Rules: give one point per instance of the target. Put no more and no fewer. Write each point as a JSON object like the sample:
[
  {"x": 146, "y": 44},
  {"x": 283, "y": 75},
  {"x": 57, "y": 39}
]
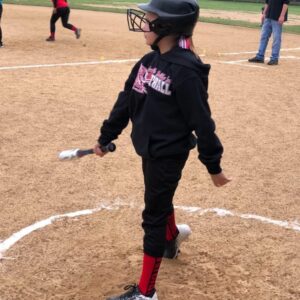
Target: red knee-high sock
[
  {"x": 172, "y": 230},
  {"x": 149, "y": 274},
  {"x": 73, "y": 28},
  {"x": 52, "y": 34}
]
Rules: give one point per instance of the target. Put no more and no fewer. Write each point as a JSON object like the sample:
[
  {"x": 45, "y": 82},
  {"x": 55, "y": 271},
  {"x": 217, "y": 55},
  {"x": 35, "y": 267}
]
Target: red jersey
[{"x": 60, "y": 3}]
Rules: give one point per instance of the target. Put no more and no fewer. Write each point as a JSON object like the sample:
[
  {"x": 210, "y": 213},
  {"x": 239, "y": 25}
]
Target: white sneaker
[{"x": 172, "y": 247}]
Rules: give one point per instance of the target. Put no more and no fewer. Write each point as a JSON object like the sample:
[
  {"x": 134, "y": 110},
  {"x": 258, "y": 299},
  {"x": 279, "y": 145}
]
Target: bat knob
[{"x": 111, "y": 147}]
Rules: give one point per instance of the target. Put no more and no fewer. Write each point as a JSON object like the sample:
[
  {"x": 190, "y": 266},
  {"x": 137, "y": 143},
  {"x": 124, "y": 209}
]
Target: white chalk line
[
  {"x": 120, "y": 61},
  {"x": 246, "y": 60},
  {"x": 254, "y": 52},
  {"x": 241, "y": 62},
  {"x": 14, "y": 238},
  {"x": 295, "y": 225},
  {"x": 71, "y": 64}
]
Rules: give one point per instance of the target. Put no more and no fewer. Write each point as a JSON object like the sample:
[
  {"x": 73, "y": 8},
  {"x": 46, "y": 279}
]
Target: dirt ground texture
[{"x": 49, "y": 109}]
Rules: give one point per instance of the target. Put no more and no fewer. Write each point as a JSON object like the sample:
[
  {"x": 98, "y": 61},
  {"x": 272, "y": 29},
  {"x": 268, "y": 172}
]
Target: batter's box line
[
  {"x": 254, "y": 52},
  {"x": 241, "y": 62},
  {"x": 15, "y": 237},
  {"x": 70, "y": 64}
]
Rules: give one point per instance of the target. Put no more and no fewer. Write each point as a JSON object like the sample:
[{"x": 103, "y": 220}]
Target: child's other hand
[
  {"x": 98, "y": 151},
  {"x": 219, "y": 179}
]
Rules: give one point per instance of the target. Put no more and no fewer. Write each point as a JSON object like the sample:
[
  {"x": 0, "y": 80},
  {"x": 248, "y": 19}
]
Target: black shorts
[{"x": 1, "y": 10}]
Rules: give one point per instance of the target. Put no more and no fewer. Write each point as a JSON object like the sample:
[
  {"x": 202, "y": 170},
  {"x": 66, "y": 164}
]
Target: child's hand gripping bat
[{"x": 78, "y": 153}]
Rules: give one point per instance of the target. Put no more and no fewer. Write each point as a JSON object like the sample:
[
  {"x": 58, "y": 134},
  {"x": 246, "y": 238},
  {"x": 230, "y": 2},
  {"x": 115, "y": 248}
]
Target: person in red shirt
[{"x": 61, "y": 10}]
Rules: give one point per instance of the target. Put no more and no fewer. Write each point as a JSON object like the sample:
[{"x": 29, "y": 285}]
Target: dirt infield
[{"x": 248, "y": 254}]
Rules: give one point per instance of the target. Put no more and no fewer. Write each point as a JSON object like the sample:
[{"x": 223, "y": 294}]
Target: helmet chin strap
[{"x": 154, "y": 46}]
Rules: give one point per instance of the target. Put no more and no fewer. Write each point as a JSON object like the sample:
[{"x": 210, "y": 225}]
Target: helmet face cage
[
  {"x": 163, "y": 25},
  {"x": 136, "y": 20}
]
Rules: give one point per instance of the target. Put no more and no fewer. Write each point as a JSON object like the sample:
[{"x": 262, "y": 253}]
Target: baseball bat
[{"x": 78, "y": 153}]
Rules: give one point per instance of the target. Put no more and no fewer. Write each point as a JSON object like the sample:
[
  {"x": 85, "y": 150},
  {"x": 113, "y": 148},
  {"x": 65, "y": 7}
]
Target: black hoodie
[{"x": 165, "y": 97}]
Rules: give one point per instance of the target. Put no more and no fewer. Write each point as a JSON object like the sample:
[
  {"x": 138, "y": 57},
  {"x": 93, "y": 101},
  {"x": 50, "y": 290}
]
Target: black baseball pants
[
  {"x": 1, "y": 10},
  {"x": 62, "y": 13},
  {"x": 161, "y": 177}
]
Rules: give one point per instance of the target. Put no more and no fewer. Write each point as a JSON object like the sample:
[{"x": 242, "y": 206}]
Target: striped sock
[
  {"x": 172, "y": 231},
  {"x": 149, "y": 274}
]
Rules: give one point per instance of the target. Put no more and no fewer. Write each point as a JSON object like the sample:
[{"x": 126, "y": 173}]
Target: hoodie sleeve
[
  {"x": 192, "y": 98},
  {"x": 119, "y": 116}
]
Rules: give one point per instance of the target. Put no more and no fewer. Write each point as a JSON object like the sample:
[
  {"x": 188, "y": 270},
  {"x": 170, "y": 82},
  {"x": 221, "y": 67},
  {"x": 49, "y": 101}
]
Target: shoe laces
[
  {"x": 130, "y": 286},
  {"x": 132, "y": 289}
]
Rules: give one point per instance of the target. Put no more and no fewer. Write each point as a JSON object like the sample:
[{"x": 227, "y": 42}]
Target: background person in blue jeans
[{"x": 273, "y": 17}]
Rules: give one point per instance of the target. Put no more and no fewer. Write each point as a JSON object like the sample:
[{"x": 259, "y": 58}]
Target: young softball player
[
  {"x": 166, "y": 99},
  {"x": 61, "y": 10},
  {"x": 1, "y": 10}
]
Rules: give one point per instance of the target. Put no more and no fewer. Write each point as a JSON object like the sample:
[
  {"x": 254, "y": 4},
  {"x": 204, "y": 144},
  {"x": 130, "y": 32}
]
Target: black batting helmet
[{"x": 177, "y": 17}]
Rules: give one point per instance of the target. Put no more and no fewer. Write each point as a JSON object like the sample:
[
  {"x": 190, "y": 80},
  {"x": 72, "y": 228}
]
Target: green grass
[
  {"x": 240, "y": 6},
  {"x": 292, "y": 29},
  {"x": 229, "y": 22},
  {"x": 205, "y": 4}
]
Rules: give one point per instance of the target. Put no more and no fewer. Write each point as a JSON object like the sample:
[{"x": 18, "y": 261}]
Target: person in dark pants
[
  {"x": 61, "y": 10},
  {"x": 273, "y": 16},
  {"x": 1, "y": 10},
  {"x": 166, "y": 99}
]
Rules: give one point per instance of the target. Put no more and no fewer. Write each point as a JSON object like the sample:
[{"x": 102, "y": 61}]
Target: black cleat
[
  {"x": 50, "y": 39},
  {"x": 134, "y": 294},
  {"x": 256, "y": 60},
  {"x": 172, "y": 247},
  {"x": 273, "y": 62},
  {"x": 78, "y": 33}
]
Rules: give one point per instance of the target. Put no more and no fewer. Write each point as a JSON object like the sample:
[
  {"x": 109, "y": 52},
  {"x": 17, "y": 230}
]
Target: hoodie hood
[{"x": 186, "y": 58}]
